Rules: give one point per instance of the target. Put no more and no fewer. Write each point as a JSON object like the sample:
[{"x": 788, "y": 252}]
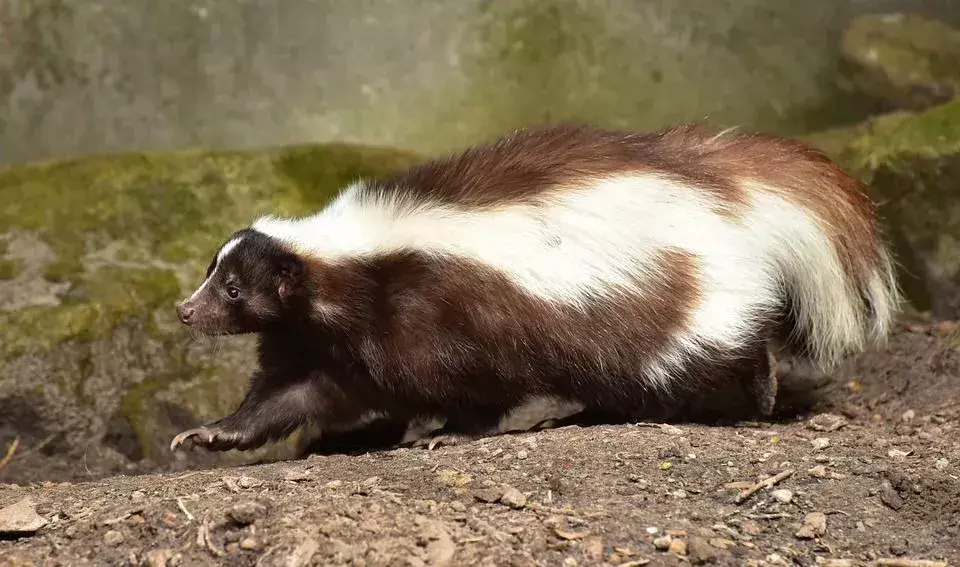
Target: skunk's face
[{"x": 250, "y": 285}]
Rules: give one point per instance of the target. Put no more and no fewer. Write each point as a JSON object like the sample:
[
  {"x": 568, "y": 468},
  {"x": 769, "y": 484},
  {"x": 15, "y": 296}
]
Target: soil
[{"x": 866, "y": 465}]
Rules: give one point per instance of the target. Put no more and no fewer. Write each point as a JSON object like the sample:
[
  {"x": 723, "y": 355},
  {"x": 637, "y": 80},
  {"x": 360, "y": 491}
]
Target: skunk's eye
[{"x": 233, "y": 292}]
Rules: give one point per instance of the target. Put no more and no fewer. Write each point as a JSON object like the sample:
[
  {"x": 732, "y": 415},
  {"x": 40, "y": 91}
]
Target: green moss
[
  {"x": 168, "y": 207},
  {"x": 895, "y": 139}
]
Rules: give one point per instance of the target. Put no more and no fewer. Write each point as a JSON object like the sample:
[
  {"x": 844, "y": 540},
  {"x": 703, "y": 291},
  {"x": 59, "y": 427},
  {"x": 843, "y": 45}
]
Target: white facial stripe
[{"x": 224, "y": 251}]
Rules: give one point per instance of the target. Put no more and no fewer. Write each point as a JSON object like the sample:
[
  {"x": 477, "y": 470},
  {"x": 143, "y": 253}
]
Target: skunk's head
[{"x": 253, "y": 283}]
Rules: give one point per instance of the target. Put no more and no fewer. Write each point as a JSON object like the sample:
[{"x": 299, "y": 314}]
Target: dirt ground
[{"x": 866, "y": 466}]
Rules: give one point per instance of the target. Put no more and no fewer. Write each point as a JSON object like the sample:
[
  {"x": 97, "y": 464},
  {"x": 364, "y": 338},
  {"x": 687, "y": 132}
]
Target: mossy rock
[
  {"x": 912, "y": 164},
  {"x": 94, "y": 253},
  {"x": 904, "y": 59}
]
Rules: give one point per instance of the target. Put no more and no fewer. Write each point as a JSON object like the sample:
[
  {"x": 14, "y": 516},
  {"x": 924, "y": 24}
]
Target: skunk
[{"x": 613, "y": 270}]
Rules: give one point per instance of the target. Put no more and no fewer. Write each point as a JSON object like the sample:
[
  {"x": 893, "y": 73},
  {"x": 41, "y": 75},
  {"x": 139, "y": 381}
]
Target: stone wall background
[{"x": 93, "y": 76}]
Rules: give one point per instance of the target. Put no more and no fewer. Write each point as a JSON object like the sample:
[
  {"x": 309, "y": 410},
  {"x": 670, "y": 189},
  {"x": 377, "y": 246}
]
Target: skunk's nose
[{"x": 185, "y": 312}]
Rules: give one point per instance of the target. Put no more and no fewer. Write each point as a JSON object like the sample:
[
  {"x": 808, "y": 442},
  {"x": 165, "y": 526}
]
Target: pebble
[
  {"x": 941, "y": 464},
  {"x": 820, "y": 443},
  {"x": 818, "y": 471},
  {"x": 814, "y": 525},
  {"x": 137, "y": 495},
  {"x": 159, "y": 557},
  {"x": 678, "y": 547},
  {"x": 826, "y": 422},
  {"x": 296, "y": 475},
  {"x": 513, "y": 498},
  {"x": 113, "y": 537},
  {"x": 20, "y": 518},
  {"x": 488, "y": 495},
  {"x": 522, "y": 454},
  {"x": 249, "y": 544},
  {"x": 662, "y": 543},
  {"x": 897, "y": 454},
  {"x": 700, "y": 551},
  {"x": 245, "y": 513},
  {"x": 890, "y": 496},
  {"x": 458, "y": 506},
  {"x": 232, "y": 547},
  {"x": 782, "y": 495},
  {"x": 333, "y": 484},
  {"x": 303, "y": 553},
  {"x": 908, "y": 415}
]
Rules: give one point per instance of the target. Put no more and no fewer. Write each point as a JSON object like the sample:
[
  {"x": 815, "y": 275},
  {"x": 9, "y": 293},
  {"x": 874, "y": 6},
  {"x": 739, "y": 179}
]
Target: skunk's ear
[{"x": 290, "y": 274}]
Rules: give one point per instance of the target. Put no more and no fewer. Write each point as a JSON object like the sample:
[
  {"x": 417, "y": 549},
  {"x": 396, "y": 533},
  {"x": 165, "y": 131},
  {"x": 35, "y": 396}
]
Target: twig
[
  {"x": 776, "y": 516},
  {"x": 9, "y": 456},
  {"x": 765, "y": 483},
  {"x": 43, "y": 443},
  {"x": 183, "y": 509},
  {"x": 203, "y": 539}
]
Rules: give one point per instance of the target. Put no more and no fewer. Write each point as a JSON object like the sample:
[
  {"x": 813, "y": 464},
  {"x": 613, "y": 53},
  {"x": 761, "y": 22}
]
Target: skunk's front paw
[{"x": 210, "y": 437}]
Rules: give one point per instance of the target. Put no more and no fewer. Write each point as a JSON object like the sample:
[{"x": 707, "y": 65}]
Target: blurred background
[
  {"x": 135, "y": 135},
  {"x": 86, "y": 76}
]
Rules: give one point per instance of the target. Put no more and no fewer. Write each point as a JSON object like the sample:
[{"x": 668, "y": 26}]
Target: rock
[
  {"x": 820, "y": 443},
  {"x": 826, "y": 422},
  {"x": 296, "y": 475},
  {"x": 814, "y": 526},
  {"x": 513, "y": 498},
  {"x": 113, "y": 538},
  {"x": 941, "y": 464},
  {"x": 159, "y": 557},
  {"x": 699, "y": 551},
  {"x": 818, "y": 471},
  {"x": 488, "y": 495},
  {"x": 303, "y": 553},
  {"x": 20, "y": 518},
  {"x": 249, "y": 544},
  {"x": 911, "y": 163},
  {"x": 662, "y": 543},
  {"x": 108, "y": 244},
  {"x": 905, "y": 60},
  {"x": 440, "y": 549},
  {"x": 890, "y": 496},
  {"x": 678, "y": 547},
  {"x": 453, "y": 478},
  {"x": 782, "y": 495},
  {"x": 245, "y": 513}
]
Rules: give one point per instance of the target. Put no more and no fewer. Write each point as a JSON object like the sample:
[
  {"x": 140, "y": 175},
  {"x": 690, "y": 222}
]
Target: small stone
[
  {"x": 814, "y": 525},
  {"x": 751, "y": 528},
  {"x": 303, "y": 553},
  {"x": 700, "y": 551},
  {"x": 137, "y": 495},
  {"x": 838, "y": 563},
  {"x": 941, "y": 464},
  {"x": 513, "y": 498},
  {"x": 593, "y": 549},
  {"x": 569, "y": 562},
  {"x": 232, "y": 547},
  {"x": 113, "y": 538},
  {"x": 522, "y": 454},
  {"x": 488, "y": 495},
  {"x": 458, "y": 506},
  {"x": 665, "y": 465},
  {"x": 908, "y": 415},
  {"x": 245, "y": 513},
  {"x": 249, "y": 544},
  {"x": 453, "y": 479},
  {"x": 662, "y": 543},
  {"x": 296, "y": 475},
  {"x": 826, "y": 422},
  {"x": 671, "y": 429},
  {"x": 159, "y": 557},
  {"x": 818, "y": 471},
  {"x": 782, "y": 495},
  {"x": 678, "y": 547},
  {"x": 333, "y": 484},
  {"x": 890, "y": 496},
  {"x": 820, "y": 443},
  {"x": 169, "y": 519},
  {"x": 20, "y": 518},
  {"x": 898, "y": 455}
]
